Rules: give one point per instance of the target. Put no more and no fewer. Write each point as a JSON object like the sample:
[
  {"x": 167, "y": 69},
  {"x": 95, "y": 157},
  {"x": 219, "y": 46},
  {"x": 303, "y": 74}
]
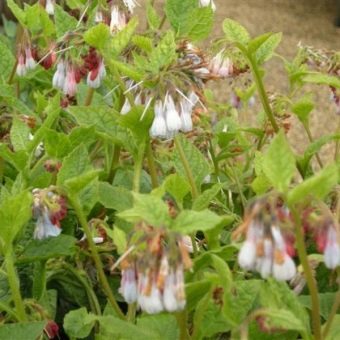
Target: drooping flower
[
  {"x": 266, "y": 249},
  {"x": 59, "y": 76},
  {"x": 154, "y": 277},
  {"x": 70, "y": 84},
  {"x": 21, "y": 67},
  {"x": 221, "y": 66},
  {"x": 29, "y": 61},
  {"x": 49, "y": 7},
  {"x": 173, "y": 120},
  {"x": 96, "y": 75},
  {"x": 118, "y": 20},
  {"x": 206, "y": 3},
  {"x": 49, "y": 209},
  {"x": 158, "y": 128},
  {"x": 130, "y": 5}
]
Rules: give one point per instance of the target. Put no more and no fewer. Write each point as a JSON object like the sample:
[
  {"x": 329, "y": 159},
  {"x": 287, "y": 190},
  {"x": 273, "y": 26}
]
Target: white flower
[
  {"x": 94, "y": 83},
  {"x": 49, "y": 7},
  {"x": 152, "y": 303},
  {"x": 173, "y": 120},
  {"x": 21, "y": 67},
  {"x": 98, "y": 16},
  {"x": 186, "y": 119},
  {"x": 247, "y": 255},
  {"x": 70, "y": 84},
  {"x": 286, "y": 270},
  {"x": 265, "y": 262},
  {"x": 158, "y": 128},
  {"x": 118, "y": 20},
  {"x": 45, "y": 228},
  {"x": 128, "y": 286},
  {"x": 130, "y": 4},
  {"x": 58, "y": 80},
  {"x": 206, "y": 3},
  {"x": 169, "y": 294},
  {"x": 126, "y": 107},
  {"x": 30, "y": 62},
  {"x": 332, "y": 249}
]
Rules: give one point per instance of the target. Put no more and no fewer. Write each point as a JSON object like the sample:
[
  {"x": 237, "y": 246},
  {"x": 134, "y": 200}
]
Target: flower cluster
[
  {"x": 268, "y": 248},
  {"x": 154, "y": 275},
  {"x": 49, "y": 208},
  {"x": 25, "y": 60},
  {"x": 171, "y": 117}
]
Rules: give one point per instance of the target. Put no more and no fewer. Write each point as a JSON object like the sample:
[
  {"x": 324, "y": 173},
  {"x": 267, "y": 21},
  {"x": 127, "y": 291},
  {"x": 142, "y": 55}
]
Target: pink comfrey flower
[
  {"x": 70, "y": 85},
  {"x": 21, "y": 67}
]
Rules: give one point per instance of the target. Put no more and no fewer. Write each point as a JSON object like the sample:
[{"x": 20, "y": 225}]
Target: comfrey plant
[{"x": 136, "y": 202}]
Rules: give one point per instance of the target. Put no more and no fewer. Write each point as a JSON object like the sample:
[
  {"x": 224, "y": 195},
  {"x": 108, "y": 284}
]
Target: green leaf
[
  {"x": 19, "y": 134},
  {"x": 7, "y": 61},
  {"x": 98, "y": 36},
  {"x": 255, "y": 43},
  {"x": 63, "y": 21},
  {"x": 178, "y": 12},
  {"x": 75, "y": 164},
  {"x": 37, "y": 20},
  {"x": 57, "y": 144},
  {"x": 279, "y": 163},
  {"x": 197, "y": 161},
  {"x": 22, "y": 331},
  {"x": 114, "y": 197},
  {"x": 119, "y": 239},
  {"x": 15, "y": 211},
  {"x": 198, "y": 24},
  {"x": 266, "y": 50},
  {"x": 148, "y": 208},
  {"x": 153, "y": 18},
  {"x": 334, "y": 331},
  {"x": 164, "y": 326},
  {"x": 177, "y": 187},
  {"x": 189, "y": 221},
  {"x": 235, "y": 32},
  {"x": 78, "y": 323},
  {"x": 142, "y": 42},
  {"x": 204, "y": 200},
  {"x": 317, "y": 186},
  {"x": 17, "y": 11},
  {"x": 323, "y": 79},
  {"x": 302, "y": 108},
  {"x": 17, "y": 159},
  {"x": 164, "y": 53},
  {"x": 76, "y": 184},
  {"x": 51, "y": 247},
  {"x": 326, "y": 303}
]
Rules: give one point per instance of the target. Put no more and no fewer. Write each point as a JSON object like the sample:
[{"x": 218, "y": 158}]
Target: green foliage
[
  {"x": 235, "y": 32},
  {"x": 22, "y": 331},
  {"x": 64, "y": 22},
  {"x": 6, "y": 61}
]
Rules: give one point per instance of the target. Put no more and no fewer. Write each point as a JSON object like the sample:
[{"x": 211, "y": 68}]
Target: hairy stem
[
  {"x": 152, "y": 166},
  {"x": 308, "y": 274},
  {"x": 114, "y": 163},
  {"x": 39, "y": 280},
  {"x": 89, "y": 96},
  {"x": 138, "y": 167},
  {"x": 262, "y": 93},
  {"x": 181, "y": 318},
  {"x": 98, "y": 263},
  {"x": 311, "y": 139},
  {"x": 14, "y": 285}
]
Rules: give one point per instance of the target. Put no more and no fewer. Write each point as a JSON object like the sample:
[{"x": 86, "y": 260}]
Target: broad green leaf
[
  {"x": 88, "y": 196},
  {"x": 266, "y": 50},
  {"x": 15, "y": 211},
  {"x": 164, "y": 326},
  {"x": 51, "y": 247},
  {"x": 334, "y": 331},
  {"x": 114, "y": 197},
  {"x": 203, "y": 201},
  {"x": 177, "y": 187},
  {"x": 76, "y": 184},
  {"x": 98, "y": 36},
  {"x": 163, "y": 54},
  {"x": 82, "y": 135},
  {"x": 323, "y": 79},
  {"x": 17, "y": 159},
  {"x": 63, "y": 21},
  {"x": 75, "y": 164},
  {"x": 189, "y": 221},
  {"x": 255, "y": 43},
  {"x": 17, "y": 11},
  {"x": 153, "y": 18},
  {"x": 279, "y": 163},
  {"x": 126, "y": 70},
  {"x": 142, "y": 42},
  {"x": 198, "y": 24},
  {"x": 178, "y": 12},
  {"x": 79, "y": 323},
  {"x": 148, "y": 208},
  {"x": 57, "y": 144},
  {"x": 7, "y": 61},
  {"x": 38, "y": 21},
  {"x": 22, "y": 331},
  {"x": 235, "y": 32},
  {"x": 119, "y": 239},
  {"x": 317, "y": 186},
  {"x": 197, "y": 162},
  {"x": 193, "y": 291},
  {"x": 302, "y": 108},
  {"x": 19, "y": 134},
  {"x": 326, "y": 303}
]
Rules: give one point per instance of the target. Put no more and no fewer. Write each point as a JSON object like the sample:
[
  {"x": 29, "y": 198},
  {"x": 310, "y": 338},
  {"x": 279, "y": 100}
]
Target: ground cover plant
[{"x": 136, "y": 204}]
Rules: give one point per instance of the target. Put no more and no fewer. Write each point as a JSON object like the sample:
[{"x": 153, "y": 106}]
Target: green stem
[
  {"x": 311, "y": 139},
  {"x": 138, "y": 167},
  {"x": 152, "y": 166},
  {"x": 262, "y": 92},
  {"x": 99, "y": 266},
  {"x": 14, "y": 285},
  {"x": 121, "y": 84},
  {"x": 11, "y": 77},
  {"x": 39, "y": 279},
  {"x": 89, "y": 96},
  {"x": 181, "y": 318},
  {"x": 186, "y": 166},
  {"x": 308, "y": 274},
  {"x": 131, "y": 313},
  {"x": 114, "y": 163}
]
